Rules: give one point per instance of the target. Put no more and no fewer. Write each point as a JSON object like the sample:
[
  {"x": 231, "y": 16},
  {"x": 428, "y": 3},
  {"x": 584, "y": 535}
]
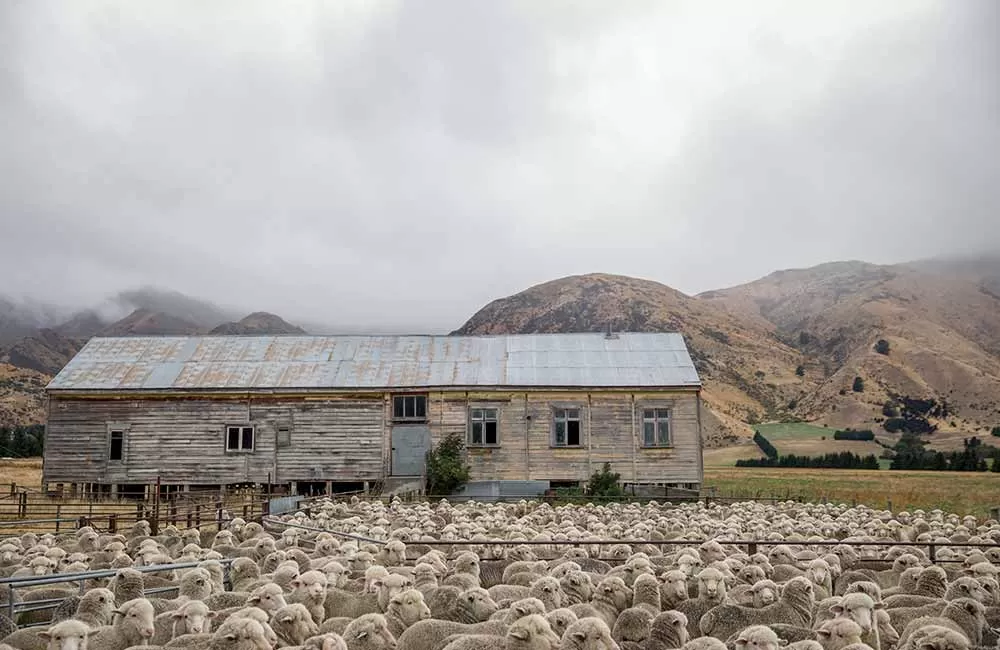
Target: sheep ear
[
  {"x": 879, "y": 605},
  {"x": 519, "y": 633},
  {"x": 837, "y": 609},
  {"x": 823, "y": 633},
  {"x": 253, "y": 599},
  {"x": 44, "y": 635},
  {"x": 176, "y": 615},
  {"x": 580, "y": 636}
]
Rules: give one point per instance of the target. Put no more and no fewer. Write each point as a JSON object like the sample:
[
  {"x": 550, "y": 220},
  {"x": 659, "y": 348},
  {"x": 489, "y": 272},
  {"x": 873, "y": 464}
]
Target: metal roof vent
[{"x": 610, "y": 334}]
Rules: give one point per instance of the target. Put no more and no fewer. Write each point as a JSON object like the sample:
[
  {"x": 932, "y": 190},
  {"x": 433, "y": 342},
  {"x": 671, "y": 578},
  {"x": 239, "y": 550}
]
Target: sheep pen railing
[
  {"x": 10, "y": 586},
  {"x": 751, "y": 546}
]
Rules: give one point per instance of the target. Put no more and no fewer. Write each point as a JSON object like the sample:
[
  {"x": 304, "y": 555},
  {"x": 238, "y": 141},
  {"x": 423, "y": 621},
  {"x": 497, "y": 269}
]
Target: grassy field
[
  {"x": 962, "y": 492},
  {"x": 796, "y": 438}
]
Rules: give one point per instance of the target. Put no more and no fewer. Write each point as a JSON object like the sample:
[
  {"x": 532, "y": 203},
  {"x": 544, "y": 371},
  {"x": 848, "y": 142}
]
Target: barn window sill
[
  {"x": 656, "y": 447},
  {"x": 551, "y": 446},
  {"x": 471, "y": 446}
]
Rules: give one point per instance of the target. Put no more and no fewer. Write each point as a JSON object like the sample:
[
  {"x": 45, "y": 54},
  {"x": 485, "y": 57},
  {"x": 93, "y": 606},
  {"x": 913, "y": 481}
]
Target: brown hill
[
  {"x": 146, "y": 322},
  {"x": 941, "y": 320},
  {"x": 259, "y": 322},
  {"x": 46, "y": 352},
  {"x": 749, "y": 374},
  {"x": 22, "y": 399}
]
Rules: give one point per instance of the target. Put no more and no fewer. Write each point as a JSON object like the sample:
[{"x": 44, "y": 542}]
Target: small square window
[
  {"x": 483, "y": 427},
  {"x": 239, "y": 438},
  {"x": 409, "y": 408},
  {"x": 284, "y": 437},
  {"x": 566, "y": 428}
]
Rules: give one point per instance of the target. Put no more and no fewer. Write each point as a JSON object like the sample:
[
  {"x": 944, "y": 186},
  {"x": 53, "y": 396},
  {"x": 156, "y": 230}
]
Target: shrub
[
  {"x": 995, "y": 467},
  {"x": 890, "y": 410},
  {"x": 446, "y": 472},
  {"x": 800, "y": 371},
  {"x": 859, "y": 385},
  {"x": 995, "y": 432},
  {"x": 882, "y": 347},
  {"x": 605, "y": 483},
  {"x": 804, "y": 338}
]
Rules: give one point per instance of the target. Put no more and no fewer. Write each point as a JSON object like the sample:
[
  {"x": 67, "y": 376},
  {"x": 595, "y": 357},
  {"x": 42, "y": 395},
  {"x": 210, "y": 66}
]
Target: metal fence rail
[
  {"x": 751, "y": 545},
  {"x": 12, "y": 609}
]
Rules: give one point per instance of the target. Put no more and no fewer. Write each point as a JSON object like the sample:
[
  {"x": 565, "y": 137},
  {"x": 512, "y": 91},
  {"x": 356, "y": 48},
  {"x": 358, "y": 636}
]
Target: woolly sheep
[
  {"x": 837, "y": 633},
  {"x": 528, "y": 633},
  {"x": 369, "y": 632},
  {"x": 133, "y": 625},
  {"x": 794, "y": 607},
  {"x": 193, "y": 617},
  {"x": 293, "y": 624}
]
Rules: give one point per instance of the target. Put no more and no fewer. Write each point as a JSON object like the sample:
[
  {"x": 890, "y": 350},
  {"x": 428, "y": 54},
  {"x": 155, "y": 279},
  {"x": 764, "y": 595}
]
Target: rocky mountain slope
[
  {"x": 940, "y": 321},
  {"x": 791, "y": 344},
  {"x": 259, "y": 322},
  {"x": 748, "y": 371},
  {"x": 21, "y": 395}
]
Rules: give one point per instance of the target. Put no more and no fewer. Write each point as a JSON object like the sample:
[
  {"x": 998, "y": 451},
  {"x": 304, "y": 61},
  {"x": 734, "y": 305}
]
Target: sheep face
[
  {"x": 268, "y": 597},
  {"x": 534, "y": 630},
  {"x": 66, "y": 635},
  {"x": 859, "y": 608},
  {"x": 711, "y": 584},
  {"x": 311, "y": 584},
  {"x": 837, "y": 633},
  {"x": 409, "y": 607},
  {"x": 137, "y": 614},
  {"x": 589, "y": 633},
  {"x": 757, "y": 637},
  {"x": 194, "y": 617}
]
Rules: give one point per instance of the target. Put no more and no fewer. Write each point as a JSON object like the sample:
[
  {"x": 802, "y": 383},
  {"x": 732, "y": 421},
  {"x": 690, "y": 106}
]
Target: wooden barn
[{"x": 340, "y": 412}]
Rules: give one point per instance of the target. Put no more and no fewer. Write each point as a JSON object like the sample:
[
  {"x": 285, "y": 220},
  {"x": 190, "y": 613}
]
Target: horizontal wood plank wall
[
  {"x": 526, "y": 450},
  {"x": 183, "y": 441}
]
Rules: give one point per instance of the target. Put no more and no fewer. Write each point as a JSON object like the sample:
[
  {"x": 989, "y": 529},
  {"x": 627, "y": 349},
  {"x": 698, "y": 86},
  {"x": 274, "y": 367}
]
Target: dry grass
[
  {"x": 25, "y": 472},
  {"x": 962, "y": 492}
]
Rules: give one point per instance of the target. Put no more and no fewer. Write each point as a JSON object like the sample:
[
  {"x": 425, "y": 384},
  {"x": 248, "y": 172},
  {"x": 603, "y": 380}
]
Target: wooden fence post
[{"x": 58, "y": 516}]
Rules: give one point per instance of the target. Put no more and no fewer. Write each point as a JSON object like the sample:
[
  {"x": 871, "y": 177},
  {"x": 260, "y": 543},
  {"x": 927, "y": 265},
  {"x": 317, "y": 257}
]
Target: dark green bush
[
  {"x": 446, "y": 471},
  {"x": 605, "y": 483}
]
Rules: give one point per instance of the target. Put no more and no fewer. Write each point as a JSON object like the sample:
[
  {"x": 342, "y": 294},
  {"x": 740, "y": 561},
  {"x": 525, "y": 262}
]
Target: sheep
[
  {"x": 309, "y": 589},
  {"x": 611, "y": 597},
  {"x": 963, "y": 615},
  {"x": 668, "y": 630},
  {"x": 127, "y": 584},
  {"x": 64, "y": 635},
  {"x": 711, "y": 593},
  {"x": 632, "y": 625},
  {"x": 962, "y": 587},
  {"x": 193, "y": 617},
  {"x": 704, "y": 643},
  {"x": 794, "y": 607},
  {"x": 369, "y": 632},
  {"x": 520, "y": 609},
  {"x": 404, "y": 610},
  {"x": 838, "y": 632},
  {"x": 673, "y": 588},
  {"x": 133, "y": 626},
  {"x": 429, "y": 634},
  {"x": 577, "y": 586},
  {"x": 936, "y": 637},
  {"x": 560, "y": 619},
  {"x": 471, "y": 606},
  {"x": 95, "y": 608},
  {"x": 235, "y": 634},
  {"x": 528, "y": 633},
  {"x": 548, "y": 590},
  {"x": 588, "y": 633},
  {"x": 646, "y": 593},
  {"x": 293, "y": 624},
  {"x": 756, "y": 637}
]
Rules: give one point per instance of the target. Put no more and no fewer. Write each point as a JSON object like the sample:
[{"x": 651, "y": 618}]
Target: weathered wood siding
[
  {"x": 348, "y": 438},
  {"x": 183, "y": 441},
  {"x": 611, "y": 428}
]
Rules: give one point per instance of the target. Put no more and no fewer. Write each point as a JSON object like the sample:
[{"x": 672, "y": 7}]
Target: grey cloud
[{"x": 399, "y": 164}]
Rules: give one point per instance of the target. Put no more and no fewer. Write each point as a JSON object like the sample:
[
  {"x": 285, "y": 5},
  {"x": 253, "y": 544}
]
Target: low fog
[{"x": 399, "y": 164}]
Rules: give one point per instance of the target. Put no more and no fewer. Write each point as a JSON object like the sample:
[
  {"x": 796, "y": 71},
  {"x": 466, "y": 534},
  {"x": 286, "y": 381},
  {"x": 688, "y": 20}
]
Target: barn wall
[
  {"x": 182, "y": 440},
  {"x": 609, "y": 433},
  {"x": 348, "y": 437}
]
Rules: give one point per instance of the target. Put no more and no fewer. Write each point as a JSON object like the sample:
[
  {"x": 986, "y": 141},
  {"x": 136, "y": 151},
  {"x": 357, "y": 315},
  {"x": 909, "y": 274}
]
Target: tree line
[
  {"x": 910, "y": 453},
  {"x": 22, "y": 441},
  {"x": 840, "y": 460}
]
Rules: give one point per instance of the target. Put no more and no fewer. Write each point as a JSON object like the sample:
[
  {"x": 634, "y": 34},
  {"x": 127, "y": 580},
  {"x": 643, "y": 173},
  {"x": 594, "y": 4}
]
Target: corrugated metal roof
[{"x": 346, "y": 362}]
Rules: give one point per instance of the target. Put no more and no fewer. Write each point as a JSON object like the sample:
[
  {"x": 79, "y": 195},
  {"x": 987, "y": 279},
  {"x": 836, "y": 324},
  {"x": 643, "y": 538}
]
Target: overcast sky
[{"x": 403, "y": 163}]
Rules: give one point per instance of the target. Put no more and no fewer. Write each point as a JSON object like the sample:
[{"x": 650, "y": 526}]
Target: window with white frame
[
  {"x": 656, "y": 427},
  {"x": 566, "y": 428},
  {"x": 409, "y": 408},
  {"x": 239, "y": 437},
  {"x": 484, "y": 427}
]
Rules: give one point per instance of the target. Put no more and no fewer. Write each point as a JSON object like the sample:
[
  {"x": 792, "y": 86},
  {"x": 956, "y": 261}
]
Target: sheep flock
[{"x": 368, "y": 575}]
